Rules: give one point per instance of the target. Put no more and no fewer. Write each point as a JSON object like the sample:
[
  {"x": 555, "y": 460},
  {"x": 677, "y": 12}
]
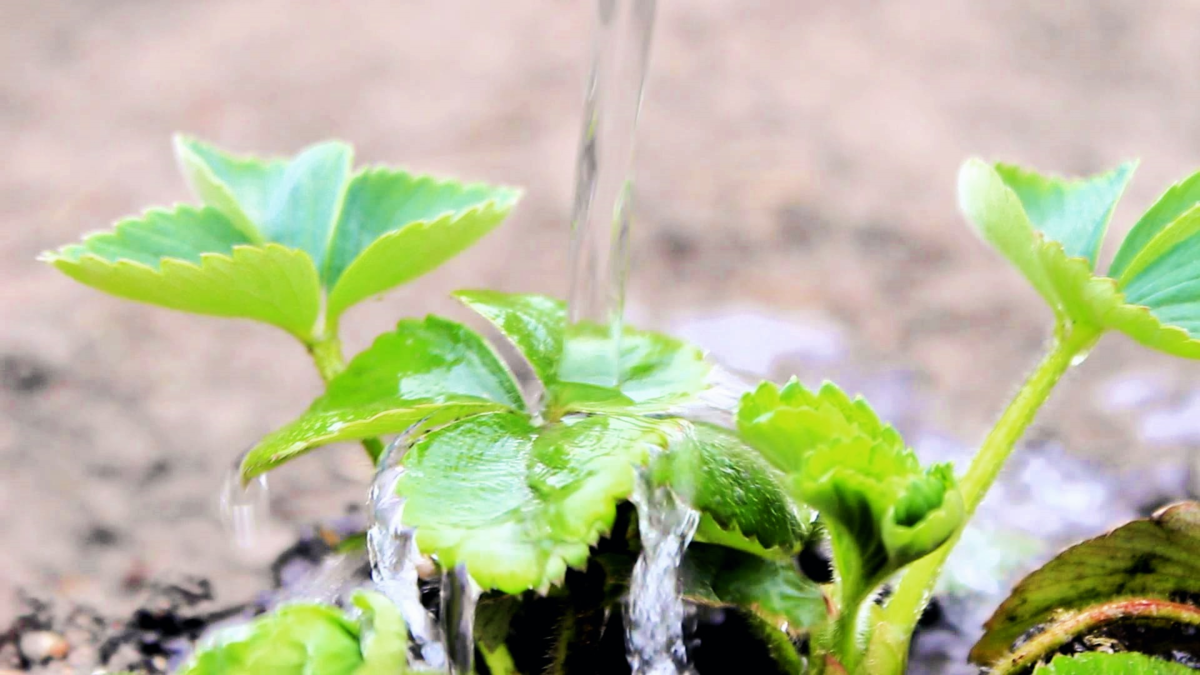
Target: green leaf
[
  {"x": 1177, "y": 200},
  {"x": 656, "y": 371},
  {"x": 883, "y": 511},
  {"x": 432, "y": 371},
  {"x": 736, "y": 489},
  {"x": 196, "y": 260},
  {"x": 294, "y": 203},
  {"x": 1074, "y": 213},
  {"x": 1100, "y": 663},
  {"x": 394, "y": 227},
  {"x": 1157, "y": 557},
  {"x": 519, "y": 503},
  {"x": 773, "y": 589},
  {"x": 294, "y": 639},
  {"x": 1156, "y": 301},
  {"x": 384, "y": 639}
]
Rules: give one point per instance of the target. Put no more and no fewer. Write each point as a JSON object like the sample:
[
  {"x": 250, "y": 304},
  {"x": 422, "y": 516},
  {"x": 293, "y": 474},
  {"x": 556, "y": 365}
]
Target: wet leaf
[
  {"x": 736, "y": 490},
  {"x": 773, "y": 589},
  {"x": 1100, "y": 663},
  {"x": 432, "y": 371},
  {"x": 882, "y": 509},
  {"x": 395, "y": 227},
  {"x": 1157, "y": 557},
  {"x": 384, "y": 636},
  {"x": 656, "y": 371},
  {"x": 1047, "y": 232},
  {"x": 197, "y": 260},
  {"x": 519, "y": 503}
]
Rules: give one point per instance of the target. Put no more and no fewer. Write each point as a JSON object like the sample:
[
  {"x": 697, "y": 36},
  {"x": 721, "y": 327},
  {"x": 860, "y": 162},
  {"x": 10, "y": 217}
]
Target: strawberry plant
[{"x": 531, "y": 489}]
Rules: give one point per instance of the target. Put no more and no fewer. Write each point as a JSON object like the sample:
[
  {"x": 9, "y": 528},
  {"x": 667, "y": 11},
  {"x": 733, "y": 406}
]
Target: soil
[{"x": 796, "y": 160}]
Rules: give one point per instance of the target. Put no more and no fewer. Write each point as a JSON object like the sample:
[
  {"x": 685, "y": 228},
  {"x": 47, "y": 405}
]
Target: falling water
[
  {"x": 395, "y": 558},
  {"x": 244, "y": 508},
  {"x": 654, "y": 613},
  {"x": 601, "y": 214},
  {"x": 460, "y": 595}
]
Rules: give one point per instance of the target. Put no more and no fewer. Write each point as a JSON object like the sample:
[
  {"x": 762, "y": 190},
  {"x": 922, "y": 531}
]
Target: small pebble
[{"x": 42, "y": 645}]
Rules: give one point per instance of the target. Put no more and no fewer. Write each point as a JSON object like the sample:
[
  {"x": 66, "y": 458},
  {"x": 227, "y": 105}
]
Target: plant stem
[
  {"x": 326, "y": 352},
  {"x": 889, "y": 648}
]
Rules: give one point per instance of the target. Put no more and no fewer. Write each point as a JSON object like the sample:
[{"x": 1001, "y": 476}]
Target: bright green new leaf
[
  {"x": 773, "y": 589},
  {"x": 394, "y": 227},
  {"x": 1154, "y": 558},
  {"x": 431, "y": 372},
  {"x": 303, "y": 639},
  {"x": 735, "y": 489},
  {"x": 883, "y": 511},
  {"x": 293, "y": 640},
  {"x": 519, "y": 503},
  {"x": 197, "y": 260},
  {"x": 1101, "y": 663},
  {"x": 1048, "y": 229},
  {"x": 656, "y": 371}
]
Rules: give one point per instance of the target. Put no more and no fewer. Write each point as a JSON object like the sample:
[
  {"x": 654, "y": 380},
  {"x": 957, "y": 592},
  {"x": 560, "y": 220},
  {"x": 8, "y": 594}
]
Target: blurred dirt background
[{"x": 797, "y": 161}]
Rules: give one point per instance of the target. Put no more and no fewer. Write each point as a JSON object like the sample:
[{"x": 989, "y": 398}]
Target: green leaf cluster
[
  {"x": 1051, "y": 230},
  {"x": 299, "y": 639},
  {"x": 520, "y": 495},
  {"x": 293, "y": 243},
  {"x": 883, "y": 510},
  {"x": 1101, "y": 663}
]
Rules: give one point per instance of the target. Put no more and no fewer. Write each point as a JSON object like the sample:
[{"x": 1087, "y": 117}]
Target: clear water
[
  {"x": 603, "y": 206},
  {"x": 460, "y": 596},
  {"x": 654, "y": 612},
  {"x": 395, "y": 559},
  {"x": 244, "y": 508}
]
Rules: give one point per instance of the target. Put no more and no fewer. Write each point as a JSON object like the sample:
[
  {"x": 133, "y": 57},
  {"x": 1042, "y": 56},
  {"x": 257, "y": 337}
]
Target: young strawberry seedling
[{"x": 511, "y": 491}]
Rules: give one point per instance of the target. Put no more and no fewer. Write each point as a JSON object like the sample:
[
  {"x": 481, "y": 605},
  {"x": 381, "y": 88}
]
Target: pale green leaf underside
[
  {"x": 517, "y": 503},
  {"x": 1159, "y": 306},
  {"x": 656, "y": 371},
  {"x": 431, "y": 372},
  {"x": 394, "y": 227},
  {"x": 1177, "y": 200},
  {"x": 241, "y": 187},
  {"x": 196, "y": 260},
  {"x": 1101, "y": 663}
]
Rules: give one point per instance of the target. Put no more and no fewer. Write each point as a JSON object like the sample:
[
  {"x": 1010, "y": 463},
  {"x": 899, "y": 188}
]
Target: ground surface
[{"x": 796, "y": 159}]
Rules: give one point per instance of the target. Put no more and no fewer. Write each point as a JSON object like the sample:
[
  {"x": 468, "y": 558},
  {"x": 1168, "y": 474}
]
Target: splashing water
[
  {"x": 654, "y": 612},
  {"x": 244, "y": 508},
  {"x": 602, "y": 210},
  {"x": 395, "y": 558},
  {"x": 460, "y": 596}
]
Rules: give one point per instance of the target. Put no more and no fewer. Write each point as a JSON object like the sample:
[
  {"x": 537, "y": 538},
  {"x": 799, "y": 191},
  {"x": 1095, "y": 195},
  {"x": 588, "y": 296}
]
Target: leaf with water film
[
  {"x": 656, "y": 371},
  {"x": 395, "y": 227},
  {"x": 1046, "y": 228},
  {"x": 882, "y": 509},
  {"x": 738, "y": 493},
  {"x": 517, "y": 503},
  {"x": 1154, "y": 558},
  {"x": 774, "y": 589},
  {"x": 197, "y": 260},
  {"x": 383, "y": 639},
  {"x": 1102, "y": 663},
  {"x": 429, "y": 371}
]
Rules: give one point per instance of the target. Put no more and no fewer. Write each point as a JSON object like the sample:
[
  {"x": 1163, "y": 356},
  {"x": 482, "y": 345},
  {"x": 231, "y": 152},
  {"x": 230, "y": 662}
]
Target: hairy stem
[
  {"x": 889, "y": 648},
  {"x": 783, "y": 652},
  {"x": 326, "y": 352}
]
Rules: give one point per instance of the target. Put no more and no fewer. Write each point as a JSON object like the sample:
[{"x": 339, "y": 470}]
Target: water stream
[
  {"x": 395, "y": 559},
  {"x": 244, "y": 508}
]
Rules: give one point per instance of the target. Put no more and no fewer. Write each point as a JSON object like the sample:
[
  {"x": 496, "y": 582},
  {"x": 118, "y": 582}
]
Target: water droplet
[
  {"x": 1079, "y": 358},
  {"x": 654, "y": 612},
  {"x": 244, "y": 508},
  {"x": 460, "y": 596},
  {"x": 395, "y": 559}
]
